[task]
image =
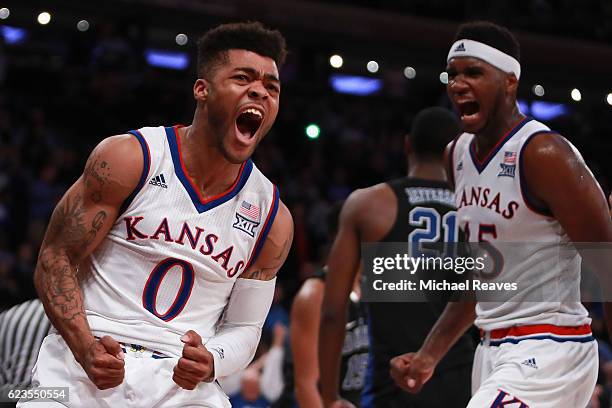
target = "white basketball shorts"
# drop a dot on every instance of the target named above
(539, 366)
(147, 382)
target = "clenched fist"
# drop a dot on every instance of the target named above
(103, 362)
(196, 364)
(411, 371)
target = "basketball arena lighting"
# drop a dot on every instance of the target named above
(313, 131)
(543, 110)
(181, 39)
(576, 95)
(372, 66)
(167, 59)
(13, 35)
(336, 61)
(354, 84)
(444, 77)
(4, 13)
(538, 90)
(409, 72)
(44, 18)
(609, 98)
(83, 25)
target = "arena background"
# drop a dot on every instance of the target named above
(101, 68)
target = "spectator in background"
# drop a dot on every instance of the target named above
(250, 391)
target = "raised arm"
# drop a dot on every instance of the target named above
(234, 345)
(79, 222)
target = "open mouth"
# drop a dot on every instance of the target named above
(249, 121)
(469, 108)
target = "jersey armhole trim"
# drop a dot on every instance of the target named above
(451, 164)
(146, 166)
(266, 228)
(527, 196)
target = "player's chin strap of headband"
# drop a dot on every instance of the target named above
(471, 48)
(236, 340)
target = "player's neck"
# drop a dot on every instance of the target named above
(205, 165)
(497, 127)
(426, 169)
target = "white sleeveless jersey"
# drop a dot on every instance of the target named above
(494, 205)
(170, 261)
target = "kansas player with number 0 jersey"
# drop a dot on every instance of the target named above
(516, 181)
(176, 237)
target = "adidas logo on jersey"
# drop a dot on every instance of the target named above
(530, 362)
(460, 166)
(159, 181)
(460, 47)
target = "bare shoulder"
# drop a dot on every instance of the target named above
(113, 169)
(371, 210)
(363, 198)
(546, 147)
(275, 248)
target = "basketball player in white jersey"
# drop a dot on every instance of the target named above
(176, 237)
(518, 182)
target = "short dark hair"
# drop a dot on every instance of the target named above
(491, 34)
(250, 36)
(432, 129)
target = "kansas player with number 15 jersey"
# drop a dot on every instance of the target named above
(177, 238)
(517, 182)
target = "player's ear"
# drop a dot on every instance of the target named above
(511, 84)
(200, 90)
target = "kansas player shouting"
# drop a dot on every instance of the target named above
(516, 181)
(176, 237)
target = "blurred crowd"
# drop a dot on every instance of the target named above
(586, 19)
(58, 103)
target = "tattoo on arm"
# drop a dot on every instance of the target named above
(96, 177)
(268, 273)
(67, 240)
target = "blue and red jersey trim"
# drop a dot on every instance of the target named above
(527, 196)
(199, 202)
(561, 334)
(481, 165)
(266, 228)
(146, 166)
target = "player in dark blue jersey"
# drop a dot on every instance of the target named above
(381, 213)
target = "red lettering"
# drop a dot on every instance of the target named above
(475, 198)
(509, 212)
(163, 229)
(463, 202)
(233, 271)
(210, 240)
(495, 203)
(225, 255)
(187, 232)
(485, 197)
(132, 231)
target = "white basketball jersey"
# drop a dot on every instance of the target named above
(494, 206)
(170, 261)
